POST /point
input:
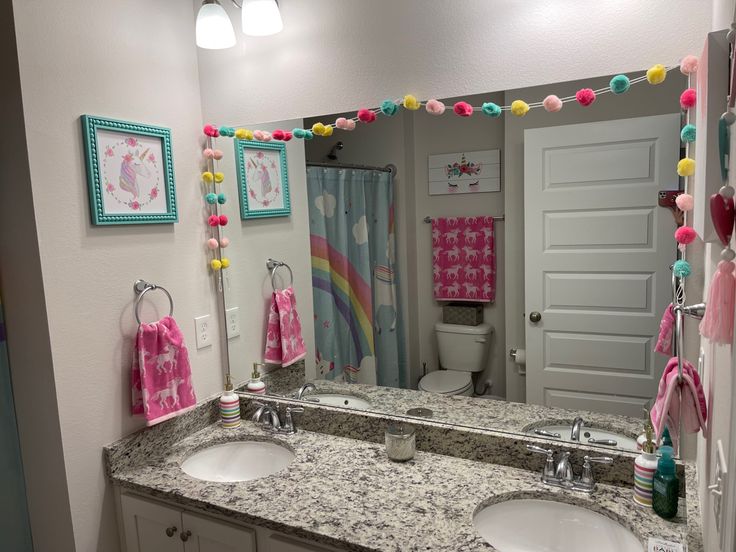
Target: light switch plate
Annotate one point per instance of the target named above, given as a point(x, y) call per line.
point(232, 316)
point(203, 331)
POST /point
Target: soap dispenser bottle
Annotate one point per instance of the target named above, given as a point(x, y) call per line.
point(255, 385)
point(666, 486)
point(229, 406)
point(645, 465)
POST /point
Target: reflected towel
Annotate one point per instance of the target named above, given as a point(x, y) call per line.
point(161, 378)
point(664, 340)
point(284, 342)
point(464, 259)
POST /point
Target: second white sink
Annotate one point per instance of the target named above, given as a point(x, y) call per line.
point(238, 461)
point(335, 399)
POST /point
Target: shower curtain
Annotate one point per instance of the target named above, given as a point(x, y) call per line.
point(358, 332)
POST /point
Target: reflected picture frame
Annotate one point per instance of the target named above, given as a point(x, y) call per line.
point(130, 172)
point(263, 179)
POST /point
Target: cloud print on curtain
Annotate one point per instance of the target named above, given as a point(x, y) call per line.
point(356, 313)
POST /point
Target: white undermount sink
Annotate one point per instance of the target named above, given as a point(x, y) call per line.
point(531, 525)
point(238, 461)
point(336, 399)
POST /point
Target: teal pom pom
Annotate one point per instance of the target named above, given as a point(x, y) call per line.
point(210, 198)
point(227, 131)
point(389, 108)
point(619, 84)
point(687, 134)
point(681, 269)
point(491, 109)
point(299, 132)
point(308, 135)
point(221, 198)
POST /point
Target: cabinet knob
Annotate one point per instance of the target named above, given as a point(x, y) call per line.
point(185, 535)
point(171, 530)
point(535, 317)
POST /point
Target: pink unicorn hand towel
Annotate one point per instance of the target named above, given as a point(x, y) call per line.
point(664, 340)
point(284, 342)
point(464, 259)
point(161, 378)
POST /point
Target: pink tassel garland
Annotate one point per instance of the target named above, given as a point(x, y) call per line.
point(717, 325)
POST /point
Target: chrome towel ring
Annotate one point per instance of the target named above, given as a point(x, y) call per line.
point(141, 287)
point(273, 266)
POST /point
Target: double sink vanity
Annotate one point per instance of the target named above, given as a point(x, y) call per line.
point(323, 482)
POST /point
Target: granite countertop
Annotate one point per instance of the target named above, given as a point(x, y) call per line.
point(346, 493)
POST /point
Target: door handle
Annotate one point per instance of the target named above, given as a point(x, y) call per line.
point(534, 317)
point(170, 531)
point(185, 535)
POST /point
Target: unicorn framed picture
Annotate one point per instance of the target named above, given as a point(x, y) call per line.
point(263, 180)
point(130, 172)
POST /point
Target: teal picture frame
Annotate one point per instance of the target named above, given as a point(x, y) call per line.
point(130, 172)
point(262, 176)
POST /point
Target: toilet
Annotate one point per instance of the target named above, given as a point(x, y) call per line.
point(463, 350)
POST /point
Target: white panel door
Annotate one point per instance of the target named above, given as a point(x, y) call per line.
point(209, 535)
point(150, 526)
point(597, 257)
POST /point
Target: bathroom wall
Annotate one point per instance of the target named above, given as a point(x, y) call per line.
point(133, 60)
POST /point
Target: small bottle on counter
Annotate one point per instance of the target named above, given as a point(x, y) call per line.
point(666, 486)
point(400, 442)
point(255, 385)
point(229, 406)
point(644, 467)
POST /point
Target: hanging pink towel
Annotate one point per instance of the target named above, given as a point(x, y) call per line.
point(284, 342)
point(688, 409)
point(664, 341)
point(464, 259)
point(161, 379)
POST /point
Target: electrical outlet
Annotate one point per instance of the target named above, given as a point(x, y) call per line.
point(232, 316)
point(203, 331)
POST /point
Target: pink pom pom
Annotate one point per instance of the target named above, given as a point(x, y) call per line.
point(684, 202)
point(217, 154)
point(435, 107)
point(685, 235)
point(341, 123)
point(552, 103)
point(464, 109)
point(351, 125)
point(585, 96)
point(211, 130)
point(223, 220)
point(208, 153)
point(688, 65)
point(278, 134)
point(366, 116)
point(258, 135)
point(212, 243)
point(214, 220)
point(288, 135)
point(687, 98)
point(224, 242)
point(266, 136)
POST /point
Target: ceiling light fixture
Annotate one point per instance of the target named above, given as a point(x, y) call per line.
point(215, 31)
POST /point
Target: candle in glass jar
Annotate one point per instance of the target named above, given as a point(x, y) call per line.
point(400, 442)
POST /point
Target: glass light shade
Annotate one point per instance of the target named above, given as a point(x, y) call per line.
point(261, 17)
point(214, 29)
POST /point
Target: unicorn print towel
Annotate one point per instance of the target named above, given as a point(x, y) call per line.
point(161, 379)
point(464, 259)
point(284, 342)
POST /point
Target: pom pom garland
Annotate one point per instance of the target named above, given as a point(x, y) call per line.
point(219, 177)
point(212, 243)
point(224, 242)
point(266, 136)
point(435, 107)
point(687, 134)
point(259, 135)
point(210, 198)
point(681, 269)
point(366, 116)
point(686, 167)
point(620, 84)
point(318, 129)
point(688, 65)
point(685, 235)
point(215, 264)
point(585, 96)
point(208, 177)
point(389, 108)
point(341, 123)
point(299, 132)
point(684, 202)
point(308, 135)
point(225, 262)
point(519, 108)
point(464, 109)
point(552, 104)
point(491, 109)
point(278, 134)
point(213, 220)
point(223, 220)
point(411, 103)
point(244, 134)
point(221, 199)
point(328, 131)
point(656, 74)
point(217, 154)
point(227, 131)
point(209, 153)
point(687, 98)
point(287, 136)
point(211, 131)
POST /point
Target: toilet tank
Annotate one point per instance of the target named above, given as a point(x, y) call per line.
point(463, 348)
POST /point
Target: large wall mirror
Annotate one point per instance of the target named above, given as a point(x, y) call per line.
point(544, 234)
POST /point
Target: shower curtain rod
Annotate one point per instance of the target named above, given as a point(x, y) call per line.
point(388, 168)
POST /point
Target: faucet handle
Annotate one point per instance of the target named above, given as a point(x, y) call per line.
point(294, 409)
point(586, 477)
point(597, 459)
point(549, 465)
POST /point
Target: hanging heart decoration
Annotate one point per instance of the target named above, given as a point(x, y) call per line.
point(722, 214)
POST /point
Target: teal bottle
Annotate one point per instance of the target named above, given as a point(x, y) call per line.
point(666, 486)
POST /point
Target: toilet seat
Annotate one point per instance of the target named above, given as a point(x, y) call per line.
point(446, 382)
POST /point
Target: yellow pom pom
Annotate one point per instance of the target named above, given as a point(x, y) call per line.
point(656, 74)
point(248, 134)
point(410, 102)
point(519, 108)
point(225, 262)
point(686, 167)
point(215, 264)
point(241, 134)
point(219, 177)
point(328, 131)
point(208, 177)
point(318, 129)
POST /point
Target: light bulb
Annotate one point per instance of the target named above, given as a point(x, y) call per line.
point(214, 29)
point(261, 17)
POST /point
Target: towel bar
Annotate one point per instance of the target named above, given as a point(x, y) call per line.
point(141, 287)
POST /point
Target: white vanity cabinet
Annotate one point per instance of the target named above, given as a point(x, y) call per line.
point(153, 526)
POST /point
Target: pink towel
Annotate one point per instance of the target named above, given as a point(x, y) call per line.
point(284, 342)
point(464, 259)
point(689, 411)
point(161, 379)
point(664, 341)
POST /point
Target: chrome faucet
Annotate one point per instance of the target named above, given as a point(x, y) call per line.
point(561, 474)
point(577, 425)
point(309, 386)
point(563, 471)
point(273, 422)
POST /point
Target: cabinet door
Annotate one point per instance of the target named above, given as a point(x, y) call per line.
point(150, 526)
point(208, 535)
point(282, 543)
